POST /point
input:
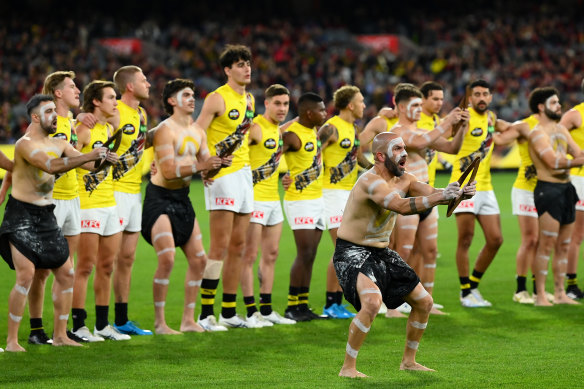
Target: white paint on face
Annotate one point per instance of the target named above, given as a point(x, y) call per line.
point(392, 144)
point(44, 109)
point(412, 112)
point(179, 97)
point(550, 101)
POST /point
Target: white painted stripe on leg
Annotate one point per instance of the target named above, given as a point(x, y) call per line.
point(370, 291)
point(428, 284)
point(360, 325)
point(195, 283)
point(421, 295)
point(418, 325)
point(170, 249)
point(191, 305)
point(64, 317)
point(433, 236)
point(351, 351)
point(15, 318)
point(162, 281)
point(70, 290)
point(21, 289)
point(160, 235)
point(550, 233)
point(412, 344)
point(430, 266)
point(200, 253)
point(159, 304)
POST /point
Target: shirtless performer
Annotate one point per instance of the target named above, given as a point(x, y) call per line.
point(168, 220)
point(368, 271)
point(554, 195)
point(29, 236)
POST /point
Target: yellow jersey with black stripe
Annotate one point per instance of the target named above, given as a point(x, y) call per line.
point(340, 158)
point(225, 131)
point(578, 136)
point(127, 173)
point(265, 160)
point(66, 187)
point(478, 142)
point(428, 123)
point(526, 175)
point(305, 165)
point(96, 189)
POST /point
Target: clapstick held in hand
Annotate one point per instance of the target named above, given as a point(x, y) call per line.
point(113, 143)
point(474, 167)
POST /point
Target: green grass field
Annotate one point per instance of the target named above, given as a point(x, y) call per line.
point(508, 345)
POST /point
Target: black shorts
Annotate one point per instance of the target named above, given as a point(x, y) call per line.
point(176, 205)
point(425, 214)
point(394, 278)
point(33, 231)
point(557, 199)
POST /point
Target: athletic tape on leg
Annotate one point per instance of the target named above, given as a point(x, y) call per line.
point(418, 325)
point(161, 281)
point(351, 351)
point(213, 269)
point(194, 283)
point(15, 318)
point(413, 344)
point(360, 325)
point(160, 235)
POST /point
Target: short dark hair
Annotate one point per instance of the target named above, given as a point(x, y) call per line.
point(124, 75)
point(54, 80)
point(405, 92)
point(35, 101)
point(173, 87)
point(233, 53)
point(428, 87)
point(276, 90)
point(94, 91)
point(480, 82)
point(343, 96)
point(539, 96)
point(308, 99)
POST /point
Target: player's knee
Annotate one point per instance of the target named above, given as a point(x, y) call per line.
point(83, 271)
point(530, 242)
point(465, 240)
point(495, 241)
point(105, 267)
point(424, 305)
point(41, 275)
point(165, 263)
point(270, 256)
point(370, 304)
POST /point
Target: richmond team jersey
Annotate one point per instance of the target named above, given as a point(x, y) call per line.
point(66, 183)
point(340, 158)
point(127, 173)
point(390, 122)
point(526, 175)
point(223, 132)
point(96, 189)
point(478, 142)
point(305, 166)
point(578, 136)
point(265, 160)
point(429, 123)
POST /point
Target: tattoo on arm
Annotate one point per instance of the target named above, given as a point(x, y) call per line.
point(325, 133)
point(413, 205)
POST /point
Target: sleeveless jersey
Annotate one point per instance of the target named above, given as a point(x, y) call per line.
point(429, 123)
point(578, 136)
point(223, 130)
point(65, 183)
point(265, 159)
point(127, 173)
point(390, 122)
point(305, 166)
point(340, 158)
point(478, 142)
point(526, 175)
point(96, 189)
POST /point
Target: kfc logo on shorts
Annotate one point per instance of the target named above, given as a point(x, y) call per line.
point(466, 205)
point(121, 221)
point(270, 143)
point(97, 144)
point(303, 220)
point(224, 201)
point(336, 219)
point(477, 132)
point(233, 114)
point(128, 129)
point(90, 224)
point(257, 215)
point(309, 146)
point(60, 135)
point(345, 143)
point(527, 208)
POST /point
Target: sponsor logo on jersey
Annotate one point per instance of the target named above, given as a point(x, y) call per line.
point(233, 114)
point(224, 201)
point(346, 143)
point(309, 146)
point(477, 132)
point(270, 143)
point(97, 144)
point(60, 135)
point(128, 129)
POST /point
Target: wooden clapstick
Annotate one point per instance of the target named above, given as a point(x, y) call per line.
point(462, 105)
point(474, 167)
point(115, 140)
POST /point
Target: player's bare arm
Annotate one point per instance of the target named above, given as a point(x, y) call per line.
point(571, 120)
point(376, 126)
point(212, 107)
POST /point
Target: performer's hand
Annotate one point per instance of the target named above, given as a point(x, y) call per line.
point(465, 116)
point(206, 181)
point(226, 161)
point(469, 190)
point(99, 153)
point(286, 181)
point(452, 191)
point(453, 116)
point(111, 157)
point(88, 119)
point(211, 163)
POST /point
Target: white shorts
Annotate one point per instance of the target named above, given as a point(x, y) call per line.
point(483, 203)
point(129, 207)
point(267, 213)
point(101, 221)
point(233, 192)
point(305, 214)
point(334, 206)
point(578, 183)
point(522, 202)
point(67, 213)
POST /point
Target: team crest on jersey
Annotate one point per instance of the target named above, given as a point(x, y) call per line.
point(270, 143)
point(233, 114)
point(128, 129)
point(477, 132)
point(345, 143)
point(309, 146)
point(97, 144)
point(61, 135)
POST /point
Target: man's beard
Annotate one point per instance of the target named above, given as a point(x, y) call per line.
point(552, 115)
point(393, 167)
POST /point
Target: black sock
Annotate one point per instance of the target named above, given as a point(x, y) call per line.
point(464, 286)
point(572, 280)
point(121, 313)
point(208, 291)
point(36, 325)
point(339, 298)
point(330, 299)
point(521, 283)
point(249, 302)
point(79, 315)
point(101, 316)
point(292, 297)
point(475, 278)
point(228, 305)
point(303, 298)
point(534, 287)
point(265, 303)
